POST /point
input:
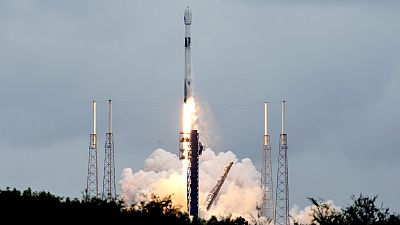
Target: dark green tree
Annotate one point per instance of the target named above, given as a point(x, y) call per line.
point(365, 211)
point(324, 213)
point(28, 207)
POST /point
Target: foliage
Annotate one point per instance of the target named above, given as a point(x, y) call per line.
point(325, 213)
point(363, 211)
point(18, 207)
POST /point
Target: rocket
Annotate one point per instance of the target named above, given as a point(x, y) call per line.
point(187, 19)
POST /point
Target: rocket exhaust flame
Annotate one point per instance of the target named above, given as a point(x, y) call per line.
point(188, 121)
point(189, 115)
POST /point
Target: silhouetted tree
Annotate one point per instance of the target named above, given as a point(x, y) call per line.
point(324, 213)
point(28, 207)
point(364, 211)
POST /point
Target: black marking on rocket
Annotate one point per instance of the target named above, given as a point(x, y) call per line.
point(187, 42)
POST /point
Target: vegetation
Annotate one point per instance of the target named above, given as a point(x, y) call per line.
point(18, 207)
point(363, 211)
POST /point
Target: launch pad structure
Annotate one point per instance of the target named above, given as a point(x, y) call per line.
point(109, 189)
point(267, 202)
point(92, 184)
point(214, 192)
point(190, 149)
point(282, 187)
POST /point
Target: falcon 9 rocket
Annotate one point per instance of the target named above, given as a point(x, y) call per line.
point(188, 92)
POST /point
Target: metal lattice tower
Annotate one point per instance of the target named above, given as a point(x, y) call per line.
point(214, 192)
point(109, 190)
point(92, 185)
point(267, 202)
point(282, 186)
point(190, 149)
point(193, 174)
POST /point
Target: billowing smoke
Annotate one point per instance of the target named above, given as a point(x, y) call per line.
point(162, 175)
point(305, 216)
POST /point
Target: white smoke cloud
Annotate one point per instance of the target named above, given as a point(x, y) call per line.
point(206, 126)
point(305, 216)
point(302, 216)
point(162, 175)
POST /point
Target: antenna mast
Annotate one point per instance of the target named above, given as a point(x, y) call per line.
point(109, 190)
point(282, 189)
point(267, 202)
point(92, 185)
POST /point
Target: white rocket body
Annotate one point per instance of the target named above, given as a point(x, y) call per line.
point(188, 92)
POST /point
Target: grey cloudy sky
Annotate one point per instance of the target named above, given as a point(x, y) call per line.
point(337, 64)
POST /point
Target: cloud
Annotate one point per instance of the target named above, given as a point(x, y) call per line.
point(162, 175)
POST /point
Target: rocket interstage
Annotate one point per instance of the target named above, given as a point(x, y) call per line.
point(188, 93)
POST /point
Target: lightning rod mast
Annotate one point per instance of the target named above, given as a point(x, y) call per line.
point(92, 185)
point(109, 190)
point(267, 202)
point(282, 189)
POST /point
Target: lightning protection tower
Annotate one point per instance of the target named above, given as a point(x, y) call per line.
point(282, 188)
point(267, 203)
point(109, 190)
point(92, 185)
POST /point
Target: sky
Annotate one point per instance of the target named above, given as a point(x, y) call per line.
point(336, 63)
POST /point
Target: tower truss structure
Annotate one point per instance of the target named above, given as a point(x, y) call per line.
point(92, 184)
point(267, 202)
point(190, 149)
point(282, 187)
point(214, 192)
point(109, 189)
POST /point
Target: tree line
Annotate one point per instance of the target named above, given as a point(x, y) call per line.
point(23, 207)
point(364, 210)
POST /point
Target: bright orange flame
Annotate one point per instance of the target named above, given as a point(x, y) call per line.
point(189, 118)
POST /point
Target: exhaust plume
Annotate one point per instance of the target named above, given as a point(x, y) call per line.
point(305, 216)
point(163, 175)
